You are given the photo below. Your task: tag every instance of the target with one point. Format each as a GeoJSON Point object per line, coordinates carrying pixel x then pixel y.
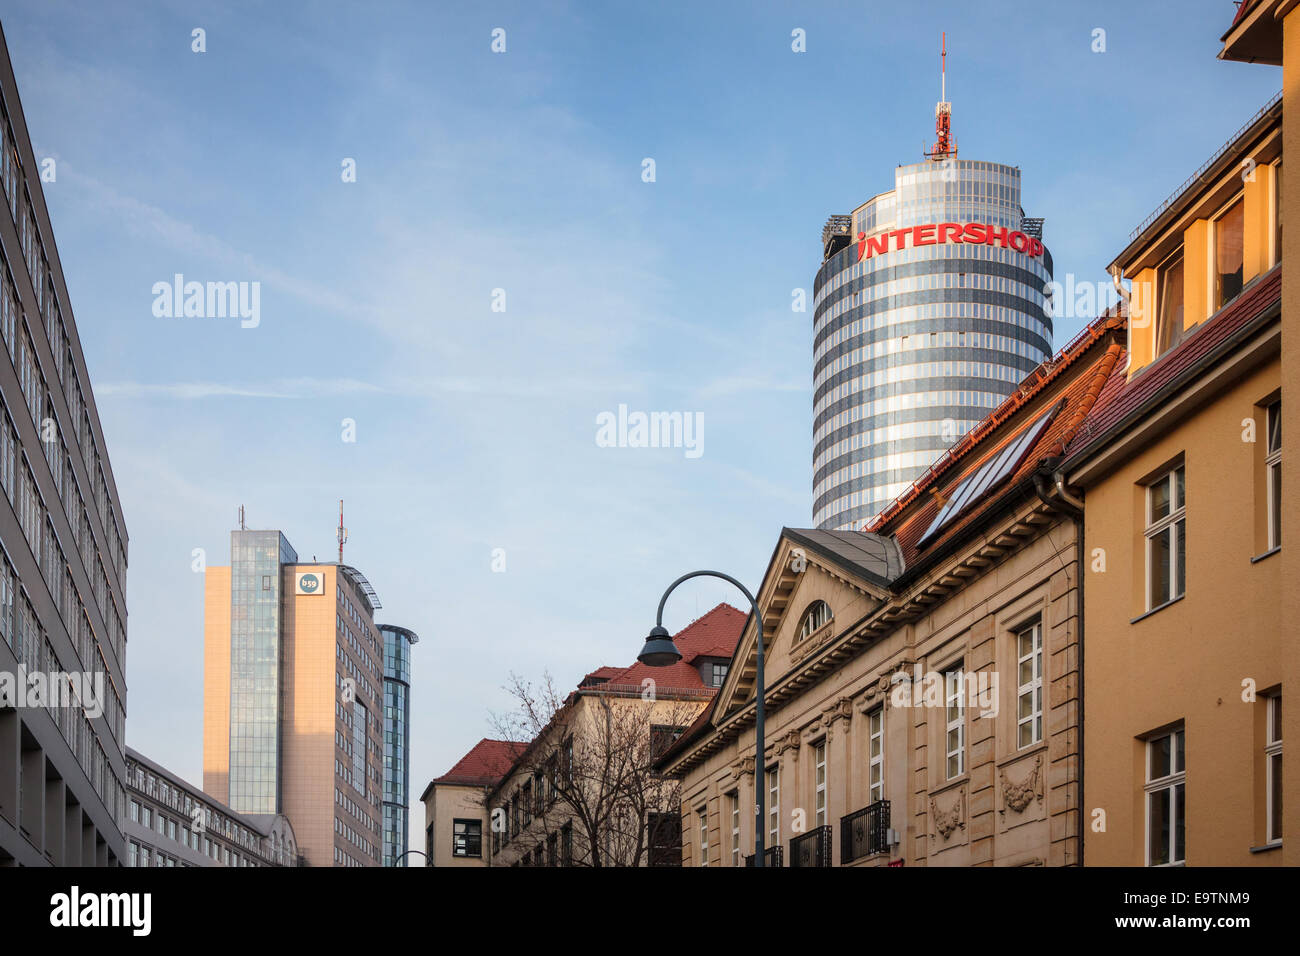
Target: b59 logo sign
{"type": "Point", "coordinates": [310, 582]}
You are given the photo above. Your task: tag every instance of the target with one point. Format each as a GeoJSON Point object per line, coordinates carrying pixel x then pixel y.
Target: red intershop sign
{"type": "Point", "coordinates": [937, 233]}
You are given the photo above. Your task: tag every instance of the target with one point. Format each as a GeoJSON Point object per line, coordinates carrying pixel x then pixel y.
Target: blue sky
{"type": "Point", "coordinates": [522, 171]}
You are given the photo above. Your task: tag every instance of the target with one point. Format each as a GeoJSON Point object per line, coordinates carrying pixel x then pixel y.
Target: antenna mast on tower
{"type": "Point", "coordinates": [946, 146]}
{"type": "Point", "coordinates": [343, 532]}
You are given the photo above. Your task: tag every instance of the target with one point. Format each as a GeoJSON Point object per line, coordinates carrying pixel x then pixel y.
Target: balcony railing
{"type": "Point", "coordinates": [772, 856]}
{"type": "Point", "coordinates": [812, 849]}
{"type": "Point", "coordinates": [865, 832]}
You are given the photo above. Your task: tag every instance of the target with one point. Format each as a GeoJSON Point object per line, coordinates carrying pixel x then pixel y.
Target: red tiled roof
{"type": "Point", "coordinates": [715, 634]}
{"type": "Point", "coordinates": [601, 674]}
{"type": "Point", "coordinates": [1120, 396]}
{"type": "Point", "coordinates": [484, 766]}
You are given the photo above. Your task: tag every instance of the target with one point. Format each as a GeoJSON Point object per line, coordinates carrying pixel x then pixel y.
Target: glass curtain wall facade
{"type": "Point", "coordinates": [914, 344]}
{"type": "Point", "coordinates": [255, 592]}
{"type": "Point", "coordinates": [397, 736]}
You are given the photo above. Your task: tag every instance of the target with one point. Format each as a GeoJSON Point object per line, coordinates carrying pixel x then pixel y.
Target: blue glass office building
{"type": "Point", "coordinates": [397, 739]}
{"type": "Point", "coordinates": [929, 309]}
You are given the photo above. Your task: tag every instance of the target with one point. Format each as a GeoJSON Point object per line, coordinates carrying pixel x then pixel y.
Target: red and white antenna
{"type": "Point", "coordinates": [343, 532]}
{"type": "Point", "coordinates": [946, 146]}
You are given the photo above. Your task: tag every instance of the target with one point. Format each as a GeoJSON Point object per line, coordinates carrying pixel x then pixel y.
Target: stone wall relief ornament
{"type": "Point", "coordinates": [842, 709]}
{"type": "Point", "coordinates": [791, 742]}
{"type": "Point", "coordinates": [1018, 795]}
{"type": "Point", "coordinates": [946, 821]}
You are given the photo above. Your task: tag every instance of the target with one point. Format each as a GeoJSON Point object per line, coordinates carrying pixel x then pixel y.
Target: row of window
{"type": "Point", "coordinates": [956, 691]}
{"type": "Point", "coordinates": [534, 796]}
{"type": "Point", "coordinates": [1226, 250]}
{"type": "Point", "coordinates": [35, 653]}
{"type": "Point", "coordinates": [953, 338]}
{"type": "Point", "coordinates": [913, 399]}
{"type": "Point", "coordinates": [18, 342]}
{"type": "Point", "coordinates": [892, 288]}
{"type": "Point", "coordinates": [182, 833]}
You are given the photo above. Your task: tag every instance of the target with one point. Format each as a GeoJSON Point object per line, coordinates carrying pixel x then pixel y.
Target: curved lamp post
{"type": "Point", "coordinates": [407, 852]}
{"type": "Point", "coordinates": [660, 651]}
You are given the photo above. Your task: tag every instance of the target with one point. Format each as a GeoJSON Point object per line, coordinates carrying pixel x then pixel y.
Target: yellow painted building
{"type": "Point", "coordinates": [1185, 644]}
{"type": "Point", "coordinates": [1268, 32]}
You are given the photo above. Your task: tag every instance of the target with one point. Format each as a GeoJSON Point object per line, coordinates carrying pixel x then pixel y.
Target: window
{"type": "Point", "coordinates": [552, 771]}
{"type": "Point", "coordinates": [553, 850]}
{"type": "Point", "coordinates": [704, 835]}
{"type": "Point", "coordinates": [1169, 324]}
{"type": "Point", "coordinates": [1273, 765]}
{"type": "Point", "coordinates": [1166, 800]}
{"type": "Point", "coordinates": [735, 828]}
{"type": "Point", "coordinates": [566, 845]}
{"type": "Point", "coordinates": [718, 674]}
{"type": "Point", "coordinates": [1273, 463]}
{"type": "Point", "coordinates": [1166, 539]}
{"type": "Point", "coordinates": [1277, 212]}
{"type": "Point", "coordinates": [1029, 699]}
{"type": "Point", "coordinates": [955, 723]}
{"type": "Point", "coordinates": [467, 838]}
{"type": "Point", "coordinates": [819, 779]}
{"type": "Point", "coordinates": [876, 754]}
{"type": "Point", "coordinates": [774, 806]}
{"type": "Point", "coordinates": [1228, 254]}
{"type": "Point", "coordinates": [815, 618]}
{"type": "Point", "coordinates": [662, 736]}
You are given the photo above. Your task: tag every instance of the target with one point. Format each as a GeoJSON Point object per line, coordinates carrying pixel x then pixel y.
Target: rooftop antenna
{"type": "Point", "coordinates": [343, 532]}
{"type": "Point", "coordinates": [241, 518]}
{"type": "Point", "coordinates": [946, 146]}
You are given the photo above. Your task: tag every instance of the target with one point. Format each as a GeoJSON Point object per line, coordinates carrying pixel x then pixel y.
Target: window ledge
{"type": "Point", "coordinates": [1267, 554]}
{"type": "Point", "coordinates": [1157, 609]}
{"type": "Point", "coordinates": [1277, 845]}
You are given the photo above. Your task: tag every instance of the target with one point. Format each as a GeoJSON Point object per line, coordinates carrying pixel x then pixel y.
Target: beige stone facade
{"type": "Point", "coordinates": [874, 756]}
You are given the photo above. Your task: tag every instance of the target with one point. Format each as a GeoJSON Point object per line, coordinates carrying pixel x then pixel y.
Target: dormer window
{"type": "Point", "coordinates": [1169, 325]}
{"type": "Point", "coordinates": [1229, 254]}
{"type": "Point", "coordinates": [814, 619]}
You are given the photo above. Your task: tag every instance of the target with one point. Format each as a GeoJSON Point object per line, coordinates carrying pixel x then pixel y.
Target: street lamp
{"type": "Point", "coordinates": [660, 651]}
{"type": "Point", "coordinates": [404, 854]}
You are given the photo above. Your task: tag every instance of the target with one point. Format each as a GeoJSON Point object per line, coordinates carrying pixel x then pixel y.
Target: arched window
{"type": "Point", "coordinates": [813, 619]}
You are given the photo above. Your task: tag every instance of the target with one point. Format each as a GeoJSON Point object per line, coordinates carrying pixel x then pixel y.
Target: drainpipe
{"type": "Point", "coordinates": [1072, 507]}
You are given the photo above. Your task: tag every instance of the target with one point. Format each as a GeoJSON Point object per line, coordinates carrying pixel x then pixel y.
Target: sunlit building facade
{"type": "Point", "coordinates": [929, 308]}
{"type": "Point", "coordinates": [293, 695]}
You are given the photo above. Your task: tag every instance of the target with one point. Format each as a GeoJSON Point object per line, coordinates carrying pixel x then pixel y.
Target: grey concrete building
{"type": "Point", "coordinates": [62, 550]}
{"type": "Point", "coordinates": [170, 822]}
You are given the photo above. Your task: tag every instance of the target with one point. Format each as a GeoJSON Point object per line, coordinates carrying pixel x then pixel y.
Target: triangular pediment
{"type": "Point", "coordinates": [849, 571]}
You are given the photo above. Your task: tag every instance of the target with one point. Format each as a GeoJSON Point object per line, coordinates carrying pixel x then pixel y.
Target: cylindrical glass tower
{"type": "Point", "coordinates": [929, 309]}
{"type": "Point", "coordinates": [397, 739]}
